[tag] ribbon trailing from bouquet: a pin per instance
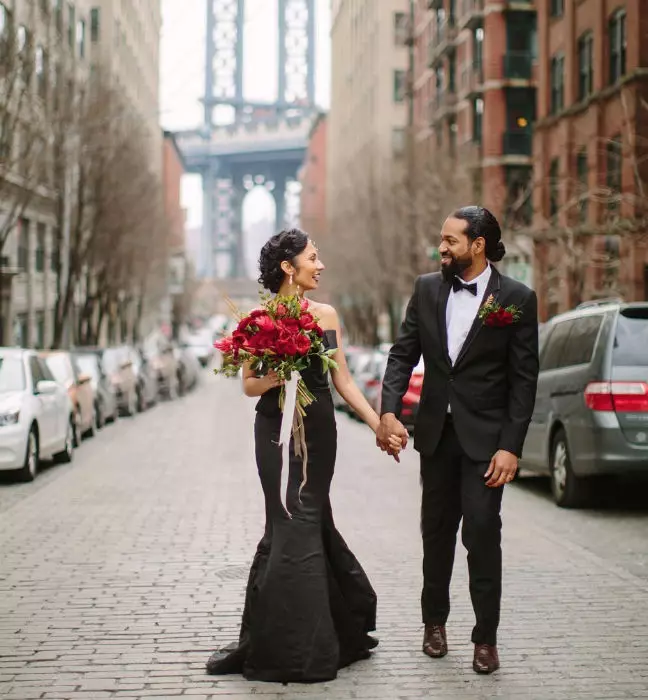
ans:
(292, 422)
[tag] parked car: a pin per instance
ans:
(66, 371)
(412, 397)
(117, 365)
(201, 345)
(188, 368)
(591, 411)
(105, 397)
(159, 352)
(146, 380)
(36, 414)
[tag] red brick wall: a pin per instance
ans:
(173, 170)
(313, 180)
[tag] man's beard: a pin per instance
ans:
(455, 268)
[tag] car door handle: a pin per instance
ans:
(564, 392)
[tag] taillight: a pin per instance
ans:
(622, 397)
(416, 381)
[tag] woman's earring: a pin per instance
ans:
(291, 280)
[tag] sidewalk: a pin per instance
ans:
(118, 577)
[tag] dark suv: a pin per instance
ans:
(591, 411)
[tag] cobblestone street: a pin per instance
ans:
(121, 572)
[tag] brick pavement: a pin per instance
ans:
(122, 572)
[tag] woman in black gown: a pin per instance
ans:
(309, 606)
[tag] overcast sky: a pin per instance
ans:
(182, 73)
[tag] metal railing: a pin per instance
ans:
(518, 65)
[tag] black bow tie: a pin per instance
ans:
(458, 285)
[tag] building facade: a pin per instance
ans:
(368, 116)
(591, 152)
(474, 92)
(54, 47)
(312, 177)
(37, 39)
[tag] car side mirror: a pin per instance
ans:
(46, 387)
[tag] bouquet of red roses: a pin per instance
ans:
(284, 336)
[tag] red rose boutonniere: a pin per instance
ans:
(494, 314)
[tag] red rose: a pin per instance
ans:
(264, 323)
(318, 330)
(303, 304)
(303, 344)
(281, 310)
(257, 312)
(286, 344)
(238, 338)
(289, 325)
(244, 323)
(307, 322)
(225, 345)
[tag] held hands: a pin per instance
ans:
(271, 381)
(391, 435)
(502, 469)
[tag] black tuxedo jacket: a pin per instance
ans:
(492, 386)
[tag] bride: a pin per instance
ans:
(309, 606)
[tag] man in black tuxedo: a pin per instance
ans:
(478, 333)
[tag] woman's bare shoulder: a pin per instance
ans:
(322, 310)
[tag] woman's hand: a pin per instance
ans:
(395, 446)
(270, 381)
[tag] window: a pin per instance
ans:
(58, 15)
(557, 75)
(519, 211)
(399, 85)
(23, 243)
(23, 46)
(582, 173)
(631, 337)
(81, 38)
(452, 71)
(398, 142)
(401, 27)
(41, 66)
(585, 67)
(478, 49)
(557, 8)
(36, 368)
(553, 349)
(613, 172)
(579, 348)
(617, 38)
(40, 248)
(71, 25)
(452, 135)
(54, 251)
(554, 188)
(95, 24)
(478, 117)
(40, 330)
(5, 21)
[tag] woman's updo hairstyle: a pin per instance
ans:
(283, 246)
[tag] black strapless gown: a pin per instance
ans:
(309, 605)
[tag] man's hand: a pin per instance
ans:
(389, 430)
(502, 469)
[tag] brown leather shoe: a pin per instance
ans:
(486, 659)
(435, 643)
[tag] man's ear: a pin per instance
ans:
(479, 245)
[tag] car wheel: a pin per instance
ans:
(30, 468)
(100, 420)
(568, 490)
(67, 454)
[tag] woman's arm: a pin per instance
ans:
(341, 376)
(257, 386)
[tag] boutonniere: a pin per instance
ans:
(494, 314)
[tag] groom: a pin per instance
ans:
(478, 333)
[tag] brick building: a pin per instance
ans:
(474, 94)
(313, 181)
(590, 152)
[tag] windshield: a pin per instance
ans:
(631, 338)
(60, 368)
(88, 365)
(113, 360)
(12, 375)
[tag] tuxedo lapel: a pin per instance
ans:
(493, 288)
(441, 304)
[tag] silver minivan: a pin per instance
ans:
(591, 411)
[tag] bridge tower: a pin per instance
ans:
(243, 143)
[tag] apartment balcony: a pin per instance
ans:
(471, 81)
(470, 14)
(443, 40)
(517, 143)
(443, 103)
(518, 65)
(434, 4)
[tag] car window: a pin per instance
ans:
(12, 375)
(554, 346)
(45, 370)
(88, 364)
(580, 345)
(36, 371)
(60, 368)
(631, 340)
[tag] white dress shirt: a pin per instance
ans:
(461, 311)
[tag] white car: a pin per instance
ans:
(201, 345)
(36, 415)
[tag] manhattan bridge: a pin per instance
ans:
(242, 144)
